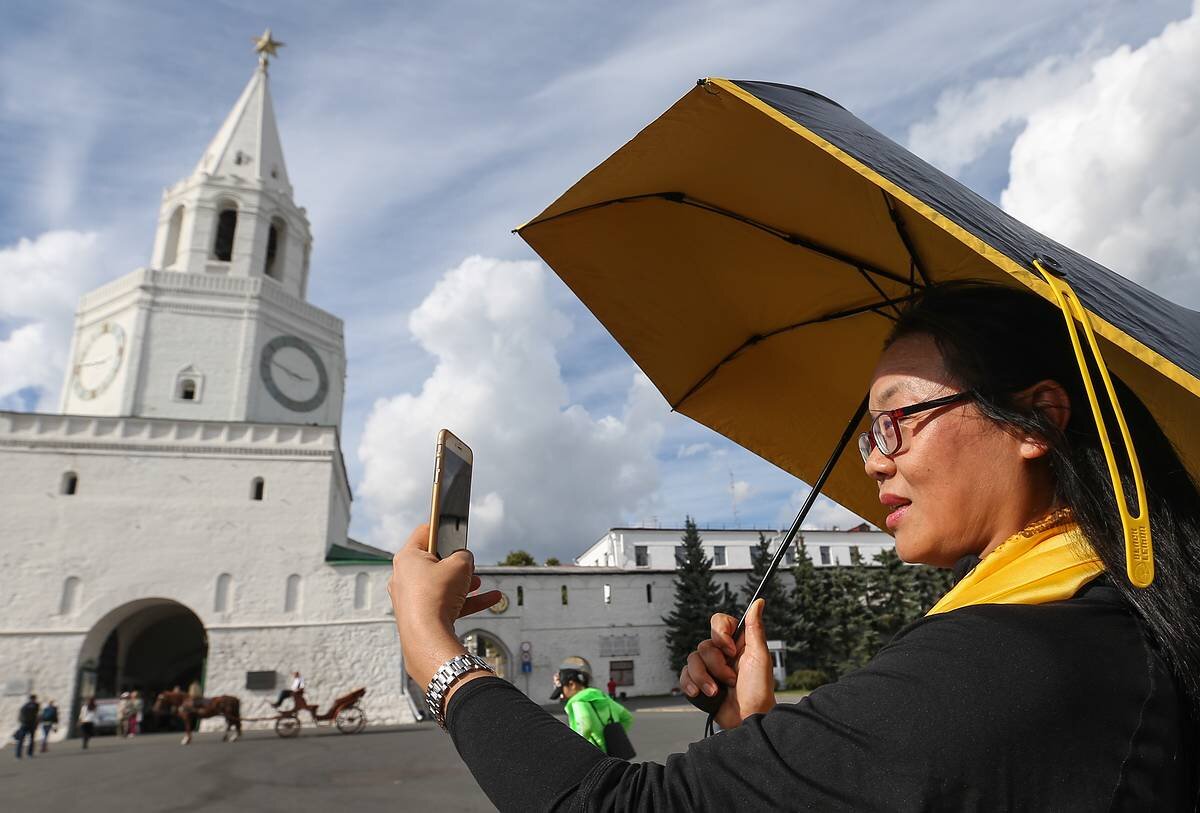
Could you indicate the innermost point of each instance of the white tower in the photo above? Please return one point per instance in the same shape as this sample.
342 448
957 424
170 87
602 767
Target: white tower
217 328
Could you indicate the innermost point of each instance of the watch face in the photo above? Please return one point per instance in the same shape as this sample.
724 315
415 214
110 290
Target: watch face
98 361
293 373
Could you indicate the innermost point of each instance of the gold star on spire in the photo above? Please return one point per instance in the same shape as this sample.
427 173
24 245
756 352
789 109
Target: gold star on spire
266 46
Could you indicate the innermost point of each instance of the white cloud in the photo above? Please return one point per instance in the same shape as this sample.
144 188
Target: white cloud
1106 156
969 120
40 282
693 449
548 476
825 513
1113 169
740 490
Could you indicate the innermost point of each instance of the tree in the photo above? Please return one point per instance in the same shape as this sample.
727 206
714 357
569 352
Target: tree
552 560
929 585
852 639
778 617
891 595
810 641
518 558
696 595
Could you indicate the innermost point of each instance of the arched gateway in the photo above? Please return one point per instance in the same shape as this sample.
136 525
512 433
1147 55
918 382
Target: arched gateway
149 645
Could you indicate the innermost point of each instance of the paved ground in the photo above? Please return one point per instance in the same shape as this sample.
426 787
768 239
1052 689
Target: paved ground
400 768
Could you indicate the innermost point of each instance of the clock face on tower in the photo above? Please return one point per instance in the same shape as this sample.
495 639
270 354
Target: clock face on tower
293 373
99 361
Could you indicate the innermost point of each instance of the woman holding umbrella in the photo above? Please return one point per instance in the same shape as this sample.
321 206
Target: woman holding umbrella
1043 680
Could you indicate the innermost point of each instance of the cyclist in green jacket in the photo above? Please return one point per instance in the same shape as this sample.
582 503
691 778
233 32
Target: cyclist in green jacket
589 709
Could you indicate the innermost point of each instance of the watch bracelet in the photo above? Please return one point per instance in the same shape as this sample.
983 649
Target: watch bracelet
446 676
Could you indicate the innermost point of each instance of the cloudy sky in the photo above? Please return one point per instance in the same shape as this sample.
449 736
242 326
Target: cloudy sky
418 134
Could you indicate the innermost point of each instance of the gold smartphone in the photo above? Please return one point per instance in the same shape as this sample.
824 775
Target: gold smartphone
451 495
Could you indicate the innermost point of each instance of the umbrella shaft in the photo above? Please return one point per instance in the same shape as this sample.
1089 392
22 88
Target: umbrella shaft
813 493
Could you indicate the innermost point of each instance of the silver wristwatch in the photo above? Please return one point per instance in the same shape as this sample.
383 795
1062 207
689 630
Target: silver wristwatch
444 678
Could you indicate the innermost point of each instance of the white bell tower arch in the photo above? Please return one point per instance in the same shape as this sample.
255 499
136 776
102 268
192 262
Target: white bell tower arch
217 327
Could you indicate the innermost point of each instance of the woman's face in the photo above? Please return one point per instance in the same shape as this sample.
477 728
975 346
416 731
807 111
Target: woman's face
960 484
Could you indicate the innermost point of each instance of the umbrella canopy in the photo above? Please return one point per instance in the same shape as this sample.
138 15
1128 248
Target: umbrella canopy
749 248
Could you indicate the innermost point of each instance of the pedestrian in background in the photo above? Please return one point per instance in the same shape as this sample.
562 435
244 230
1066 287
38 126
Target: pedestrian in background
600 720
124 712
27 718
49 722
87 720
612 687
139 708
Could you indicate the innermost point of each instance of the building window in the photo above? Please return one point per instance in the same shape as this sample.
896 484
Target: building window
70 483
616 646
257 488
641 556
621 672
719 555
520 596
273 265
824 549
608 594
187 389
680 555
221 599
226 229
649 594
70 596
564 595
790 556
854 552
362 591
171 249
291 595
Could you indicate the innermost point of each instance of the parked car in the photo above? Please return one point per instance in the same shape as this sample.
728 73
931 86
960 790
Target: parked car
106 715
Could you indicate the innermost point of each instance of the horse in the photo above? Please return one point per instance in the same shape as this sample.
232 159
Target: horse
189 708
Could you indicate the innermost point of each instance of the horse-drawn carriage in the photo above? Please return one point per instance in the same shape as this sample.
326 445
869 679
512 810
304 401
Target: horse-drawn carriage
345 713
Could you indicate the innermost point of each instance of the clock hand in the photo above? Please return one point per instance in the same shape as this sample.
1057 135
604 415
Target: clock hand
94 363
296 376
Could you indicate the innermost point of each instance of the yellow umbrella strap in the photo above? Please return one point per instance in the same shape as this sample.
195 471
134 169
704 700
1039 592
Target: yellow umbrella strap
1139 554
1049 561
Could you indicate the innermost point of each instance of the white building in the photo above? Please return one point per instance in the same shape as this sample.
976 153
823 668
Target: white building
185 517
637 548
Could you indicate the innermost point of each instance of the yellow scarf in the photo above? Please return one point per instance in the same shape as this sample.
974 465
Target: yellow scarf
1046 561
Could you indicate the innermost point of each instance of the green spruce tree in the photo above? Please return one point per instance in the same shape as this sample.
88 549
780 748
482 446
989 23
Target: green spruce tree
696 598
810 601
778 617
852 638
891 595
929 585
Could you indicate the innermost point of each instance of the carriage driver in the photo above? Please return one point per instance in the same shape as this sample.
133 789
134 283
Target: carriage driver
297 686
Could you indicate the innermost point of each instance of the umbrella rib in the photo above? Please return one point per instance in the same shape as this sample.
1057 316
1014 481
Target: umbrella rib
874 307
905 238
788 237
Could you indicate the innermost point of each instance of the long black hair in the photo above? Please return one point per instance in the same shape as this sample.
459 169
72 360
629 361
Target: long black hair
999 341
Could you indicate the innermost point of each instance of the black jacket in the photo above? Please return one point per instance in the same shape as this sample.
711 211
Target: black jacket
1062 706
28 715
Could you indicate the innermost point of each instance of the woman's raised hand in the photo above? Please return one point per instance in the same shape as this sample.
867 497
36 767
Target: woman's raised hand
744 667
428 596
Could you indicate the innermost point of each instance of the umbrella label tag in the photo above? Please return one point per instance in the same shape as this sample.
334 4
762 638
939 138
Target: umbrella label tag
1139 551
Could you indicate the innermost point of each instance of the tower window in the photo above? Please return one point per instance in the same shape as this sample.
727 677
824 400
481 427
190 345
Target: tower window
291 595
221 599
257 488
70 483
70 596
171 249
273 265
564 595
226 229
187 389
520 596
649 594
362 591
608 594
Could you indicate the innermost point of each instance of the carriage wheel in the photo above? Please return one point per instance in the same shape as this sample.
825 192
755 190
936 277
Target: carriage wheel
287 726
351 720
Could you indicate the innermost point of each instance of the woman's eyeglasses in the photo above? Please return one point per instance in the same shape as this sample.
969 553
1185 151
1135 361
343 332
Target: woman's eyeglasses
884 433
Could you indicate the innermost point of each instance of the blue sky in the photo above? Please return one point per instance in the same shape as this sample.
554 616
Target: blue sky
418 134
